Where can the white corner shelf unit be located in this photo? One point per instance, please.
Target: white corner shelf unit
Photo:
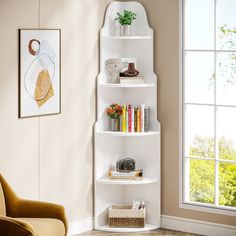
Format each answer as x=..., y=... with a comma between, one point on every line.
x=110, y=146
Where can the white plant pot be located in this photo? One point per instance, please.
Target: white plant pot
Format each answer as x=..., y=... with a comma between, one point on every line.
x=125, y=30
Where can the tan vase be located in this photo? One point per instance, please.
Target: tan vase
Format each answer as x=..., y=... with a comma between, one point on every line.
x=115, y=125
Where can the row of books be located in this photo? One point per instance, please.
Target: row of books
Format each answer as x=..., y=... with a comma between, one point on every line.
x=135, y=119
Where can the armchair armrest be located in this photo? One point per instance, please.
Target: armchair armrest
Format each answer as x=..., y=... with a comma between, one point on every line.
x=36, y=209
x=10, y=226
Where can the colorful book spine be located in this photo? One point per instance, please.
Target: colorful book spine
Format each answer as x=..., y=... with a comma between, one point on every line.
x=142, y=117
x=138, y=120
x=132, y=119
x=129, y=118
x=135, y=119
x=124, y=118
x=146, y=119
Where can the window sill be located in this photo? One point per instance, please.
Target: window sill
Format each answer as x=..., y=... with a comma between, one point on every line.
x=208, y=208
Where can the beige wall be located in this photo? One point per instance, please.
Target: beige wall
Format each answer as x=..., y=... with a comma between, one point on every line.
x=50, y=158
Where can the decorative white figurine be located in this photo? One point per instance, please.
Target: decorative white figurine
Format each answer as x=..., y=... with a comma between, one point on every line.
x=114, y=66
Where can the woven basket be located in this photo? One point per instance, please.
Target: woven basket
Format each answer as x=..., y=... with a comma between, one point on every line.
x=122, y=216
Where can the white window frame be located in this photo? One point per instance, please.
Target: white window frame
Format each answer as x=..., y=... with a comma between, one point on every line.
x=182, y=203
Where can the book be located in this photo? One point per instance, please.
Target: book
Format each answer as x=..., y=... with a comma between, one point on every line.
x=132, y=80
x=129, y=118
x=132, y=119
x=136, y=175
x=142, y=117
x=124, y=118
x=135, y=119
x=138, y=120
x=146, y=119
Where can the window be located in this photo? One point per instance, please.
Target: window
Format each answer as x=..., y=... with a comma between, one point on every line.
x=209, y=103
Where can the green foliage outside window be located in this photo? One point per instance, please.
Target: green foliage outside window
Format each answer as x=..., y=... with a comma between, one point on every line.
x=202, y=172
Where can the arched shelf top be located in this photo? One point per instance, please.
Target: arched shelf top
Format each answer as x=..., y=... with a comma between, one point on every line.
x=140, y=26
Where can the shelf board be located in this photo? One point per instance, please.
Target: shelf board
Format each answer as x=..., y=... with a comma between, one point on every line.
x=144, y=85
x=128, y=134
x=126, y=230
x=127, y=37
x=126, y=182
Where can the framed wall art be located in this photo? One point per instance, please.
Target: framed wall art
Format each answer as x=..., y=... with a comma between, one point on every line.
x=40, y=72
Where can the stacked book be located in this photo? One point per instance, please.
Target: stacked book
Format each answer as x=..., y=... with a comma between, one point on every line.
x=135, y=119
x=132, y=80
x=131, y=175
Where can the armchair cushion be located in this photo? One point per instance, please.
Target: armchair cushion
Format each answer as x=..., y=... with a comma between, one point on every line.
x=45, y=226
x=11, y=226
x=2, y=202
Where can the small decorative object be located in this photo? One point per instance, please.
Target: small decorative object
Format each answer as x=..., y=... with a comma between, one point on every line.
x=115, y=124
x=130, y=75
x=125, y=165
x=127, y=216
x=40, y=85
x=125, y=21
x=114, y=66
x=125, y=170
x=137, y=205
x=131, y=71
x=114, y=112
x=126, y=62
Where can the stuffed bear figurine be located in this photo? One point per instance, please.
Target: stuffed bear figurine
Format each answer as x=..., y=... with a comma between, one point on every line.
x=113, y=67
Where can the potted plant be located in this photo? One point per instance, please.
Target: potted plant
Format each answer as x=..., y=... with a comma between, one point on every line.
x=114, y=111
x=125, y=19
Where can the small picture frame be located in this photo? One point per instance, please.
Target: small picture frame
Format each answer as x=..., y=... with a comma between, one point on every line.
x=40, y=72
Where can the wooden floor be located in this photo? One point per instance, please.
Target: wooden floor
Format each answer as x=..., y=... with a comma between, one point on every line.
x=158, y=232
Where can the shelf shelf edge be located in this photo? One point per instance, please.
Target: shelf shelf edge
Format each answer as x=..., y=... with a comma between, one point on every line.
x=126, y=182
x=128, y=134
x=127, y=230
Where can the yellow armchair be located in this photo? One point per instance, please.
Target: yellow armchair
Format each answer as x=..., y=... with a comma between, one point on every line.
x=20, y=217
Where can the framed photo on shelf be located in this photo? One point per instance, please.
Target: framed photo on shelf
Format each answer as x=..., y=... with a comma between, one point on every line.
x=40, y=72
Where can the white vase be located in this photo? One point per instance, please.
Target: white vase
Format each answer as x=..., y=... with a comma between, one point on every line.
x=125, y=30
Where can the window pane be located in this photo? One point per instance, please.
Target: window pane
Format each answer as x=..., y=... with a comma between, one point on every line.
x=226, y=133
x=227, y=182
x=226, y=79
x=201, y=181
x=199, y=77
x=199, y=24
x=199, y=131
x=226, y=24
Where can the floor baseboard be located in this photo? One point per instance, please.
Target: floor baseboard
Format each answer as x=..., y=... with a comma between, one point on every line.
x=167, y=222
x=80, y=226
x=197, y=226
